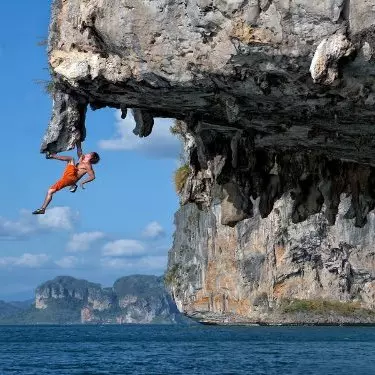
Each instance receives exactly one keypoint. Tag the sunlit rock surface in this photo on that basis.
(254, 271)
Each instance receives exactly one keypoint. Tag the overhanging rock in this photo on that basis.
(67, 125)
(270, 79)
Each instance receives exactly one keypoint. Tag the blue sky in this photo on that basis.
(122, 223)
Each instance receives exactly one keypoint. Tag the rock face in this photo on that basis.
(277, 98)
(133, 299)
(258, 269)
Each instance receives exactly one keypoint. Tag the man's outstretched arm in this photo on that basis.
(79, 149)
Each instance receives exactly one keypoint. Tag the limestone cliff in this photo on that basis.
(132, 299)
(261, 269)
(277, 98)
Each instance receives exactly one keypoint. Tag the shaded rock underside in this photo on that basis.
(259, 85)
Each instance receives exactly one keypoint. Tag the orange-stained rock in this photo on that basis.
(249, 272)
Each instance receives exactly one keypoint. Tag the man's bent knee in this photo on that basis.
(51, 191)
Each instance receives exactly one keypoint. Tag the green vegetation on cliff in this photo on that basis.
(139, 285)
(181, 176)
(324, 307)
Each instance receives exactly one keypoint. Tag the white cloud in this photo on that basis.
(67, 262)
(83, 241)
(146, 264)
(123, 248)
(25, 260)
(56, 218)
(153, 230)
(160, 143)
(17, 228)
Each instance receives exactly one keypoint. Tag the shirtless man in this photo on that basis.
(72, 174)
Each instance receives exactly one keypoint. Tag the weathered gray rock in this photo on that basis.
(144, 122)
(325, 63)
(254, 271)
(235, 206)
(67, 125)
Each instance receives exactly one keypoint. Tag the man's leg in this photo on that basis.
(46, 202)
(48, 198)
(70, 160)
(53, 190)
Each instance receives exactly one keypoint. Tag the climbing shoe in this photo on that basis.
(73, 188)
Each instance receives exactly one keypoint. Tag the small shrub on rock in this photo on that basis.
(180, 177)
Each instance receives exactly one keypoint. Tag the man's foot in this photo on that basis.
(48, 155)
(73, 188)
(39, 211)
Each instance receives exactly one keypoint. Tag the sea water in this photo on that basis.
(196, 349)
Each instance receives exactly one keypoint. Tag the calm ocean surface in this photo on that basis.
(70, 350)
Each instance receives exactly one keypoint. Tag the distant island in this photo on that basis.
(141, 299)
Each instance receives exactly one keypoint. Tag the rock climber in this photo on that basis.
(72, 174)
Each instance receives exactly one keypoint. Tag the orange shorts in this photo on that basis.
(68, 178)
